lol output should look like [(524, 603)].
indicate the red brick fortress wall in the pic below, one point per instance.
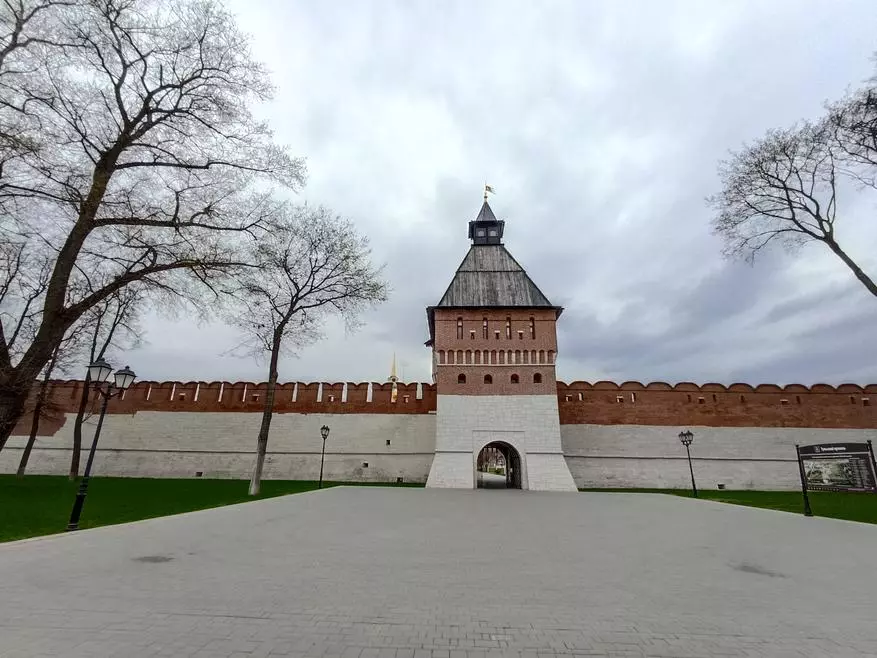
[(299, 398), (848, 406), (602, 403)]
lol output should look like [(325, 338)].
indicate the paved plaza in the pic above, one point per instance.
[(410, 573)]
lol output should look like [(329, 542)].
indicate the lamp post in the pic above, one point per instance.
[(99, 372), (324, 432), (686, 437)]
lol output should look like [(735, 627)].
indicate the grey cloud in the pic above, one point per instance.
[(600, 125)]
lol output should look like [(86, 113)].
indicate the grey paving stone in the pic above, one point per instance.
[(401, 573)]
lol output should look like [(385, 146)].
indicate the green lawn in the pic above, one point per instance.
[(40, 504), (838, 505)]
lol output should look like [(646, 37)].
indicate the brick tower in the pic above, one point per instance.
[(494, 341)]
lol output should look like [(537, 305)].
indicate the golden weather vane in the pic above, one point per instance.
[(488, 190)]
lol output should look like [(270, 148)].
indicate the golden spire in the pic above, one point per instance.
[(393, 379)]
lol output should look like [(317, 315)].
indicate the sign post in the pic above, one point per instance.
[(836, 467), (873, 463), (807, 510)]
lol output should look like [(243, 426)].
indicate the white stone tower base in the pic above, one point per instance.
[(528, 423)]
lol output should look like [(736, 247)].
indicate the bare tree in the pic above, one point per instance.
[(28, 30), (784, 187), (24, 277), (157, 172), (321, 267), (42, 407), (114, 323), (853, 125)]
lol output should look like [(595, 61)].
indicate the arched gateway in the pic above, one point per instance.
[(494, 342), (498, 466)]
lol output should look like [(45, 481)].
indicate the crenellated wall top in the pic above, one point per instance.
[(711, 387)]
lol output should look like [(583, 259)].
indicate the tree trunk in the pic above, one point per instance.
[(13, 399), (16, 383), (77, 428), (262, 442), (850, 263), (37, 413)]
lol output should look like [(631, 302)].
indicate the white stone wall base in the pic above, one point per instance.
[(528, 423), (549, 473), (451, 470)]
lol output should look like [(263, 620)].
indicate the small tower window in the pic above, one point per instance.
[(472, 334), (461, 378), (515, 379), (508, 328), (488, 379), (459, 328), (532, 328), (484, 333), (479, 232), (520, 334), (537, 378), (496, 334)]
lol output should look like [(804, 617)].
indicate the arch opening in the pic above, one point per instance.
[(498, 467)]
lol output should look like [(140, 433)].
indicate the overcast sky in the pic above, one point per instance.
[(600, 125)]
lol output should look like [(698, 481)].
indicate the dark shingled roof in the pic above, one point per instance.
[(486, 214), (490, 277)]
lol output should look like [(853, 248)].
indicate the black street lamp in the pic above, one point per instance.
[(99, 371), (686, 437), (324, 432)]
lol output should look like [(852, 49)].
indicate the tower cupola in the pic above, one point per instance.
[(486, 228)]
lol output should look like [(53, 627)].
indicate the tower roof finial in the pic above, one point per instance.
[(488, 190), (393, 377)]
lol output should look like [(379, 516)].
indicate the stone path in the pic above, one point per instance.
[(491, 480), (407, 573)]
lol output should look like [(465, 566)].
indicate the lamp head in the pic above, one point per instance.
[(124, 378), (99, 370)]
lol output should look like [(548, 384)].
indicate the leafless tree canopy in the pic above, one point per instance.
[(321, 266), (784, 187), (128, 154), (853, 122), (780, 189)]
